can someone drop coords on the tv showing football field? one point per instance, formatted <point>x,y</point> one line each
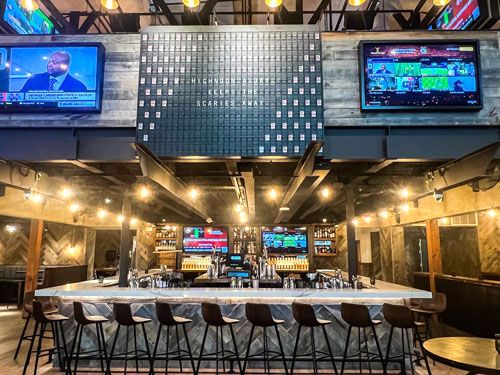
<point>420,75</point>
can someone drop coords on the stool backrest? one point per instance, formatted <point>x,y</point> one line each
<point>259,314</point>
<point>355,314</point>
<point>399,316</point>
<point>79,313</point>
<point>212,314</point>
<point>38,312</point>
<point>28,301</point>
<point>437,303</point>
<point>123,314</point>
<point>304,314</point>
<point>164,313</point>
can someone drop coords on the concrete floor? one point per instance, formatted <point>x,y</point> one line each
<point>11,324</point>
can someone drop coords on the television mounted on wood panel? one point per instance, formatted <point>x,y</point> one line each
<point>51,77</point>
<point>467,15</point>
<point>15,18</point>
<point>420,75</point>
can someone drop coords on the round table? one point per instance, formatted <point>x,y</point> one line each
<point>471,354</point>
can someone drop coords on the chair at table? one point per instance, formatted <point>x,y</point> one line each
<point>427,308</point>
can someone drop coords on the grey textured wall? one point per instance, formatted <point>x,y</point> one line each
<point>340,77</point>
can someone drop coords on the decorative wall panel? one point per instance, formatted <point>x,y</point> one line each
<point>488,232</point>
<point>460,251</point>
<point>230,90</point>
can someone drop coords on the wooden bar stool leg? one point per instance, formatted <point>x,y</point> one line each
<point>294,356</point>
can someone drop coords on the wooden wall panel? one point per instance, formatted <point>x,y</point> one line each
<point>14,246</point>
<point>106,240</point>
<point>488,233</point>
<point>57,241</point>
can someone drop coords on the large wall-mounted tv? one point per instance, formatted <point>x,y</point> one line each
<point>458,15</point>
<point>420,75</point>
<point>205,239</point>
<point>285,240</point>
<point>26,22</point>
<point>51,77</point>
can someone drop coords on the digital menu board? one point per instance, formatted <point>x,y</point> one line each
<point>285,240</point>
<point>205,239</point>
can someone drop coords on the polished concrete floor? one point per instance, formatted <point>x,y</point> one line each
<point>11,324</point>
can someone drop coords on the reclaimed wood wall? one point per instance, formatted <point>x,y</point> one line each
<point>340,77</point>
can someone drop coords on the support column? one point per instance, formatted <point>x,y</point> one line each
<point>433,251</point>
<point>34,255</point>
<point>125,240</point>
<point>352,256</point>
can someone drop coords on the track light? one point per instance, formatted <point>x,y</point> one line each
<point>273,3</point>
<point>440,3</point>
<point>356,3</point>
<point>191,3</point>
<point>110,4</point>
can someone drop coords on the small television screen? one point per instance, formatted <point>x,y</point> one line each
<point>26,22</point>
<point>458,15</point>
<point>420,75</point>
<point>205,239</point>
<point>286,240</point>
<point>51,77</point>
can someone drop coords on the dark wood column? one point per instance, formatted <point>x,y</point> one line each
<point>433,250</point>
<point>34,255</point>
<point>352,256</point>
<point>125,240</point>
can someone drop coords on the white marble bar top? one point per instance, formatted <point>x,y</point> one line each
<point>93,290</point>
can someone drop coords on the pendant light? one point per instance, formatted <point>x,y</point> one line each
<point>273,3</point>
<point>440,3</point>
<point>191,3</point>
<point>30,5</point>
<point>110,4</point>
<point>356,3</point>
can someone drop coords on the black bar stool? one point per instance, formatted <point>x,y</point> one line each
<point>166,318</point>
<point>55,322</point>
<point>82,321</point>
<point>212,315</point>
<point>400,316</point>
<point>306,317</point>
<point>123,316</point>
<point>48,308</point>
<point>358,316</point>
<point>427,308</point>
<point>260,315</point>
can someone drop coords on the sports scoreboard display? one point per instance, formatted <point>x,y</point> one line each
<point>230,90</point>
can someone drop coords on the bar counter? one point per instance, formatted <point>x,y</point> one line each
<point>98,299</point>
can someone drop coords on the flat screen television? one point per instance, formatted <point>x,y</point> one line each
<point>205,240</point>
<point>285,240</point>
<point>420,75</point>
<point>51,77</point>
<point>26,22</point>
<point>458,15</point>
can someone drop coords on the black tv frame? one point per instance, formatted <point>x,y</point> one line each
<point>284,252</point>
<point>485,17</point>
<point>361,64</point>
<point>101,55</point>
<point>5,25</point>
<point>204,252</point>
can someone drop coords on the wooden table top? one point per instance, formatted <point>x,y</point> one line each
<point>465,353</point>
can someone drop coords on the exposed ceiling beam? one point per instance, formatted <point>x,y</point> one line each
<point>238,187</point>
<point>67,28</point>
<point>341,15</point>
<point>87,24</point>
<point>318,12</point>
<point>97,171</point>
<point>429,17</point>
<point>157,171</point>
<point>337,198</point>
<point>250,192</point>
<point>371,171</point>
<point>160,4</point>
<point>207,10</point>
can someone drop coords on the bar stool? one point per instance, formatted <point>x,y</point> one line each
<point>166,318</point>
<point>48,308</point>
<point>306,317</point>
<point>358,316</point>
<point>123,316</point>
<point>42,320</point>
<point>212,316</point>
<point>400,316</point>
<point>82,321</point>
<point>427,308</point>
<point>260,315</point>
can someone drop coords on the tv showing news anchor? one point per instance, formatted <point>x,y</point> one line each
<point>51,78</point>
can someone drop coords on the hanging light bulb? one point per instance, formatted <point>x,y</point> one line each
<point>440,3</point>
<point>356,3</point>
<point>30,5</point>
<point>110,4</point>
<point>273,3</point>
<point>191,3</point>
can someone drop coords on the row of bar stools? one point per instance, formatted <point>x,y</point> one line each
<point>167,319</point>
<point>401,317</point>
<point>358,316</point>
<point>82,321</point>
<point>260,316</point>
<point>48,308</point>
<point>42,320</point>
<point>125,318</point>
<point>212,316</point>
<point>305,316</point>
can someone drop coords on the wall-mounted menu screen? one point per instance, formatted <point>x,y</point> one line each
<point>285,240</point>
<point>420,75</point>
<point>26,22</point>
<point>205,239</point>
<point>51,77</point>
